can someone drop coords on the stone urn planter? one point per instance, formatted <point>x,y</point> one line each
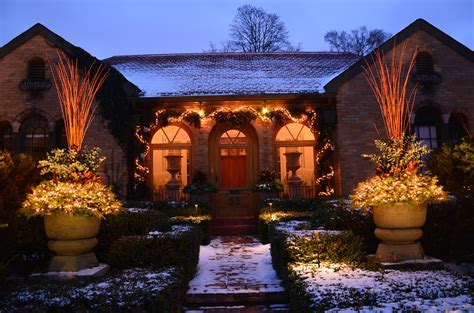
<point>399,228</point>
<point>173,167</point>
<point>293,164</point>
<point>72,238</point>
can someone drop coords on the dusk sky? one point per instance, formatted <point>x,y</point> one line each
<point>116,27</point>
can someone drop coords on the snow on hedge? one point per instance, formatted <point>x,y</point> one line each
<point>127,288</point>
<point>339,286</point>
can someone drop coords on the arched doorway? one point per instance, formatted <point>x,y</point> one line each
<point>233,168</point>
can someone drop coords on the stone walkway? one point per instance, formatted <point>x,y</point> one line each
<point>235,271</point>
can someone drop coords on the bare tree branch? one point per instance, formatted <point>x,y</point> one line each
<point>359,41</point>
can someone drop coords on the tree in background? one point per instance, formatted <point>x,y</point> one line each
<point>254,30</point>
<point>359,41</point>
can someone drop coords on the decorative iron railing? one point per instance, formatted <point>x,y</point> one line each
<point>163,194</point>
<point>299,192</point>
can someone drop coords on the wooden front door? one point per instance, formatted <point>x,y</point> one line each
<point>233,166</point>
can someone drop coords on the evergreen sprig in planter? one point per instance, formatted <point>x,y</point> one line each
<point>398,196</point>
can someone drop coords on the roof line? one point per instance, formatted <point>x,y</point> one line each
<point>231,53</point>
<point>419,24</point>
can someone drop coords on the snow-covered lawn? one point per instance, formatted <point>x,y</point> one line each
<point>235,265</point>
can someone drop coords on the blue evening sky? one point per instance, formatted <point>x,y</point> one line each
<point>113,27</point>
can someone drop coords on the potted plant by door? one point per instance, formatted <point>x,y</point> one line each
<point>268,185</point>
<point>200,189</point>
<point>72,201</point>
<point>400,190</point>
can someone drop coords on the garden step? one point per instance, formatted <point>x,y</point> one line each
<point>236,298</point>
<point>245,225</point>
<point>280,308</point>
<point>243,220</point>
<point>228,230</point>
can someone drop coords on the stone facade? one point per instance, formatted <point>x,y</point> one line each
<point>16,105</point>
<point>358,114</point>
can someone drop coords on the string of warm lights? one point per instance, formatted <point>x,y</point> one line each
<point>276,115</point>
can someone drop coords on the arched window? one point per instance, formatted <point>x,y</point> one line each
<point>34,135</point>
<point>295,137</point>
<point>170,140</point>
<point>6,140</point>
<point>427,126</point>
<point>424,62</point>
<point>36,69</point>
<point>60,139</point>
<point>458,127</point>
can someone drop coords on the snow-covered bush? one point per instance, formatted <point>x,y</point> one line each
<point>177,247</point>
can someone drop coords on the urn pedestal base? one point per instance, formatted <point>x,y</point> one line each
<point>73,263</point>
<point>387,252</point>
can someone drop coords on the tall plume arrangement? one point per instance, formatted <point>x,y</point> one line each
<point>387,80</point>
<point>76,91</point>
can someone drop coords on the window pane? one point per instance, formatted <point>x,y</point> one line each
<point>294,132</point>
<point>423,132</point>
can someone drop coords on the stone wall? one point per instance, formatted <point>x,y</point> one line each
<point>16,105</point>
<point>358,114</point>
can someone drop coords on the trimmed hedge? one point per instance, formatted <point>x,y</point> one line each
<point>128,223</point>
<point>269,217</point>
<point>202,222</point>
<point>135,290</point>
<point>178,247</point>
<point>286,249</point>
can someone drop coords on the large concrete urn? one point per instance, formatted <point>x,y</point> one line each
<point>293,164</point>
<point>72,238</point>
<point>173,161</point>
<point>398,227</point>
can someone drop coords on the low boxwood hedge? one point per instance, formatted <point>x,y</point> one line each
<point>202,222</point>
<point>127,223</point>
<point>306,246</point>
<point>178,247</point>
<point>133,290</point>
<point>271,216</point>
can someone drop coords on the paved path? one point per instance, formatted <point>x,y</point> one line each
<point>235,270</point>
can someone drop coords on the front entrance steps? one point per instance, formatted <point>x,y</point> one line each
<point>225,226</point>
<point>235,274</point>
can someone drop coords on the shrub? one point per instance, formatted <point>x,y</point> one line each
<point>179,247</point>
<point>23,241</point>
<point>128,223</point>
<point>91,199</point>
<point>134,290</point>
<point>199,184</point>
<point>270,216</point>
<point>314,247</point>
<point>202,222</point>
<point>454,166</point>
<point>448,232</point>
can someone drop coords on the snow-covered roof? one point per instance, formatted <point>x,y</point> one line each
<point>222,74</point>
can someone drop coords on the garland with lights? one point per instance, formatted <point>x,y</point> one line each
<point>236,118</point>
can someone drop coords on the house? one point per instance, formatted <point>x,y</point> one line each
<point>308,116</point>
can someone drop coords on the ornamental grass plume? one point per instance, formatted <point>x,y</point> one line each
<point>390,89</point>
<point>76,91</point>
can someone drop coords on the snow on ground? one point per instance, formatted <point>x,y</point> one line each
<point>235,265</point>
<point>339,286</point>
